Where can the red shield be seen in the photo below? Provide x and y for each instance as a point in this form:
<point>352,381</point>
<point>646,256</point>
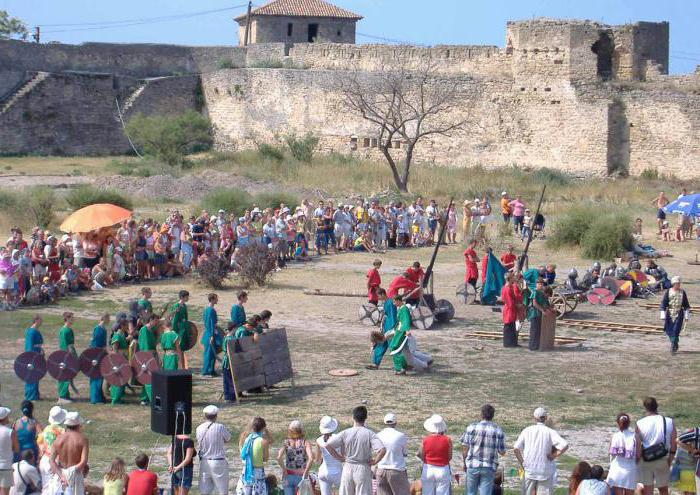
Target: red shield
<point>63,365</point>
<point>30,367</point>
<point>115,369</point>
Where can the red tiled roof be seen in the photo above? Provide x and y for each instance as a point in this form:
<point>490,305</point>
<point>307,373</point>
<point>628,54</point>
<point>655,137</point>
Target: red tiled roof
<point>302,8</point>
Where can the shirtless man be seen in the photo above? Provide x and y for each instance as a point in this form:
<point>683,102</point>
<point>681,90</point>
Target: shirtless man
<point>69,457</point>
<point>661,201</point>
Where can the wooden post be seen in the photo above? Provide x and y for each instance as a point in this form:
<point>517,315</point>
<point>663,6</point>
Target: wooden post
<point>230,368</point>
<point>247,24</point>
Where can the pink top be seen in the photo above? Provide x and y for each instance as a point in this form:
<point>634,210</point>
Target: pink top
<point>518,208</point>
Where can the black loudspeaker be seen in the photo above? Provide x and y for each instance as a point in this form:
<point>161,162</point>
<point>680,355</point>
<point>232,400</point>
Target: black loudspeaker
<point>171,407</point>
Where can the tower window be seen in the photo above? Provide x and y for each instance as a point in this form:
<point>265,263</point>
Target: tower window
<point>290,28</point>
<point>340,33</point>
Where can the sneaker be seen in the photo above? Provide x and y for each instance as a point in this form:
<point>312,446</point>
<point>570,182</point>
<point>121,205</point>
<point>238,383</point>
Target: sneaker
<point>145,403</point>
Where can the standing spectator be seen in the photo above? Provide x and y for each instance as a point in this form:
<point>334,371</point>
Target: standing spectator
<point>392,474</point>
<point>661,201</point>
<point>330,471</point>
<point>26,430</point>
<point>656,437</point>
<point>141,480</point>
<point>518,209</point>
<point>357,445</point>
<point>482,443</point>
<point>506,209</point>
<point>622,475</point>
<point>213,466</point>
<point>512,307</point>
<point>116,481</point>
<point>452,225</point>
<point>254,444</point>
<point>8,444</point>
<point>466,219</point>
<point>536,449</point>
<point>675,309</point>
<point>295,457</point>
<point>72,448</point>
<point>26,478</point>
<point>46,440</point>
<point>181,464</point>
<point>436,454</point>
<point>690,442</point>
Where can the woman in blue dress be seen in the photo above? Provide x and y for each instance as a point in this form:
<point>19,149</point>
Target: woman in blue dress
<point>99,340</point>
<point>210,337</point>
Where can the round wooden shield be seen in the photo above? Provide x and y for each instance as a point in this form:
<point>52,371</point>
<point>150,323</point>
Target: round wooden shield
<point>63,365</point>
<point>610,283</point>
<point>422,317</point>
<point>116,369</point>
<point>142,365</point>
<point>369,314</point>
<point>600,296</point>
<point>193,337</point>
<point>30,367</point>
<point>343,372</point>
<point>467,293</point>
<point>444,310</point>
<point>90,361</point>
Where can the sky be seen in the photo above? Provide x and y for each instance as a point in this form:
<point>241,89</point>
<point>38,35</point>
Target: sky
<point>408,21</point>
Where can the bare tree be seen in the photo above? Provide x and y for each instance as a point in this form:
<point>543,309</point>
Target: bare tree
<point>406,104</point>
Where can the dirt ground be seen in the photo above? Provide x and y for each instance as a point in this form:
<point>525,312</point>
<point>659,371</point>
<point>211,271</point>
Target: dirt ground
<point>583,386</point>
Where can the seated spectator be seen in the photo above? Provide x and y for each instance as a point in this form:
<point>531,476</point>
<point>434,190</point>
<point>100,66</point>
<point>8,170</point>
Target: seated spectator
<point>595,485</point>
<point>27,480</point>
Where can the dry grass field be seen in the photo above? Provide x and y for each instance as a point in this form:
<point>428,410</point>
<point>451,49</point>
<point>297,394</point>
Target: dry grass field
<point>584,386</point>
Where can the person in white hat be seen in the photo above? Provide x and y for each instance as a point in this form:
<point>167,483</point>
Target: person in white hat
<point>8,444</point>
<point>72,448</point>
<point>331,468</point>
<point>436,454</point>
<point>675,311</point>
<point>213,466</point>
<point>536,449</point>
<point>46,439</point>
<point>392,474</point>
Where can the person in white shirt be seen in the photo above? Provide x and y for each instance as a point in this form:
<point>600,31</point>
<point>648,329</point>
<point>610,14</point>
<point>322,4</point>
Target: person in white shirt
<point>213,466</point>
<point>536,449</point>
<point>650,432</point>
<point>331,469</point>
<point>8,444</point>
<point>26,477</point>
<point>392,477</point>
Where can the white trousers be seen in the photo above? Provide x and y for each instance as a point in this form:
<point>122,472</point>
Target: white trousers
<point>326,480</point>
<point>436,480</point>
<point>213,477</point>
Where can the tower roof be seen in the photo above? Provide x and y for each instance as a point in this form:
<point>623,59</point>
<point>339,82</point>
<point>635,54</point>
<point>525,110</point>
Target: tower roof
<point>302,8</point>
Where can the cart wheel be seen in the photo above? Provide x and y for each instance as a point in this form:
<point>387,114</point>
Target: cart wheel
<point>422,317</point>
<point>369,314</point>
<point>558,302</point>
<point>571,303</point>
<point>444,310</point>
<point>467,293</point>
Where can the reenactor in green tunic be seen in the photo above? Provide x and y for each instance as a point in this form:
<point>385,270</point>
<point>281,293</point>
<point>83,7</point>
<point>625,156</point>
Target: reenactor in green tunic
<point>180,321</point>
<point>147,342</point>
<point>172,353</point>
<point>66,342</point>
<point>119,345</point>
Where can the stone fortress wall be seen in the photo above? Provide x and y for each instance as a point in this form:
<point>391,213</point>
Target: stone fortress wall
<point>573,95</point>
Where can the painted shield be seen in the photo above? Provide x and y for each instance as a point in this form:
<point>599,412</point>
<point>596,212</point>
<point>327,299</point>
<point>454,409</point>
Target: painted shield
<point>90,361</point>
<point>63,365</point>
<point>30,367</point>
<point>444,310</point>
<point>115,369</point>
<point>610,283</point>
<point>143,364</point>
<point>369,314</point>
<point>193,337</point>
<point>600,296</point>
<point>422,317</point>
<point>625,288</point>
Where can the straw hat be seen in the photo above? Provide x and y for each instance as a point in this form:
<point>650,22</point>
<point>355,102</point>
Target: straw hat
<point>435,424</point>
<point>57,415</point>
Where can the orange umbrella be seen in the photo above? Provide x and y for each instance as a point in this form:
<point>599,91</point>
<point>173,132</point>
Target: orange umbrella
<point>95,217</point>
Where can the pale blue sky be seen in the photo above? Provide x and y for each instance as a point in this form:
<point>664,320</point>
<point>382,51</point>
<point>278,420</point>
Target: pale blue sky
<point>422,22</point>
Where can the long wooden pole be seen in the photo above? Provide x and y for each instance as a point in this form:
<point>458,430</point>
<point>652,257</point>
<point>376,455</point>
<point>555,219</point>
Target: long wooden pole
<point>230,367</point>
<point>441,235</point>
<point>523,257</point>
<point>247,24</point>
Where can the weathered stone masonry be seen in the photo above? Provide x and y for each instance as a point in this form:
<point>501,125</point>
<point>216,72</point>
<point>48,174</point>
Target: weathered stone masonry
<point>572,95</point>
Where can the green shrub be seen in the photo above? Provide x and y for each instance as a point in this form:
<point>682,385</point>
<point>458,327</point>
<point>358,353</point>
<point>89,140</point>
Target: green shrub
<point>9,201</point>
<point>226,63</point>
<point>170,139</point>
<point>649,174</point>
<point>141,168</point>
<point>255,264</point>
<point>569,229</point>
<point>302,148</point>
<point>232,200</point>
<point>42,204</point>
<point>270,152</point>
<point>607,237</point>
<point>274,199</point>
<point>551,176</point>
<point>85,195</point>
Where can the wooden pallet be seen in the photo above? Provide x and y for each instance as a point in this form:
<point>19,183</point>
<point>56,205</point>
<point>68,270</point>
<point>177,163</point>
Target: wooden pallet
<point>656,306</point>
<point>498,336</point>
<point>612,326</point>
<point>323,292</point>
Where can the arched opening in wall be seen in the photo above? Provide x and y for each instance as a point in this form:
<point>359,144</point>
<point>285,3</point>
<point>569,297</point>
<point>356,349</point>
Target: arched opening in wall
<point>604,49</point>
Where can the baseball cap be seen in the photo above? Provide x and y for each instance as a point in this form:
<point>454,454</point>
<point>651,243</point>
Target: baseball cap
<point>540,412</point>
<point>210,410</point>
<point>390,419</point>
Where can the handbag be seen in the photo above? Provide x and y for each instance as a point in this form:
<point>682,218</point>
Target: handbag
<point>658,450</point>
<point>304,487</point>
